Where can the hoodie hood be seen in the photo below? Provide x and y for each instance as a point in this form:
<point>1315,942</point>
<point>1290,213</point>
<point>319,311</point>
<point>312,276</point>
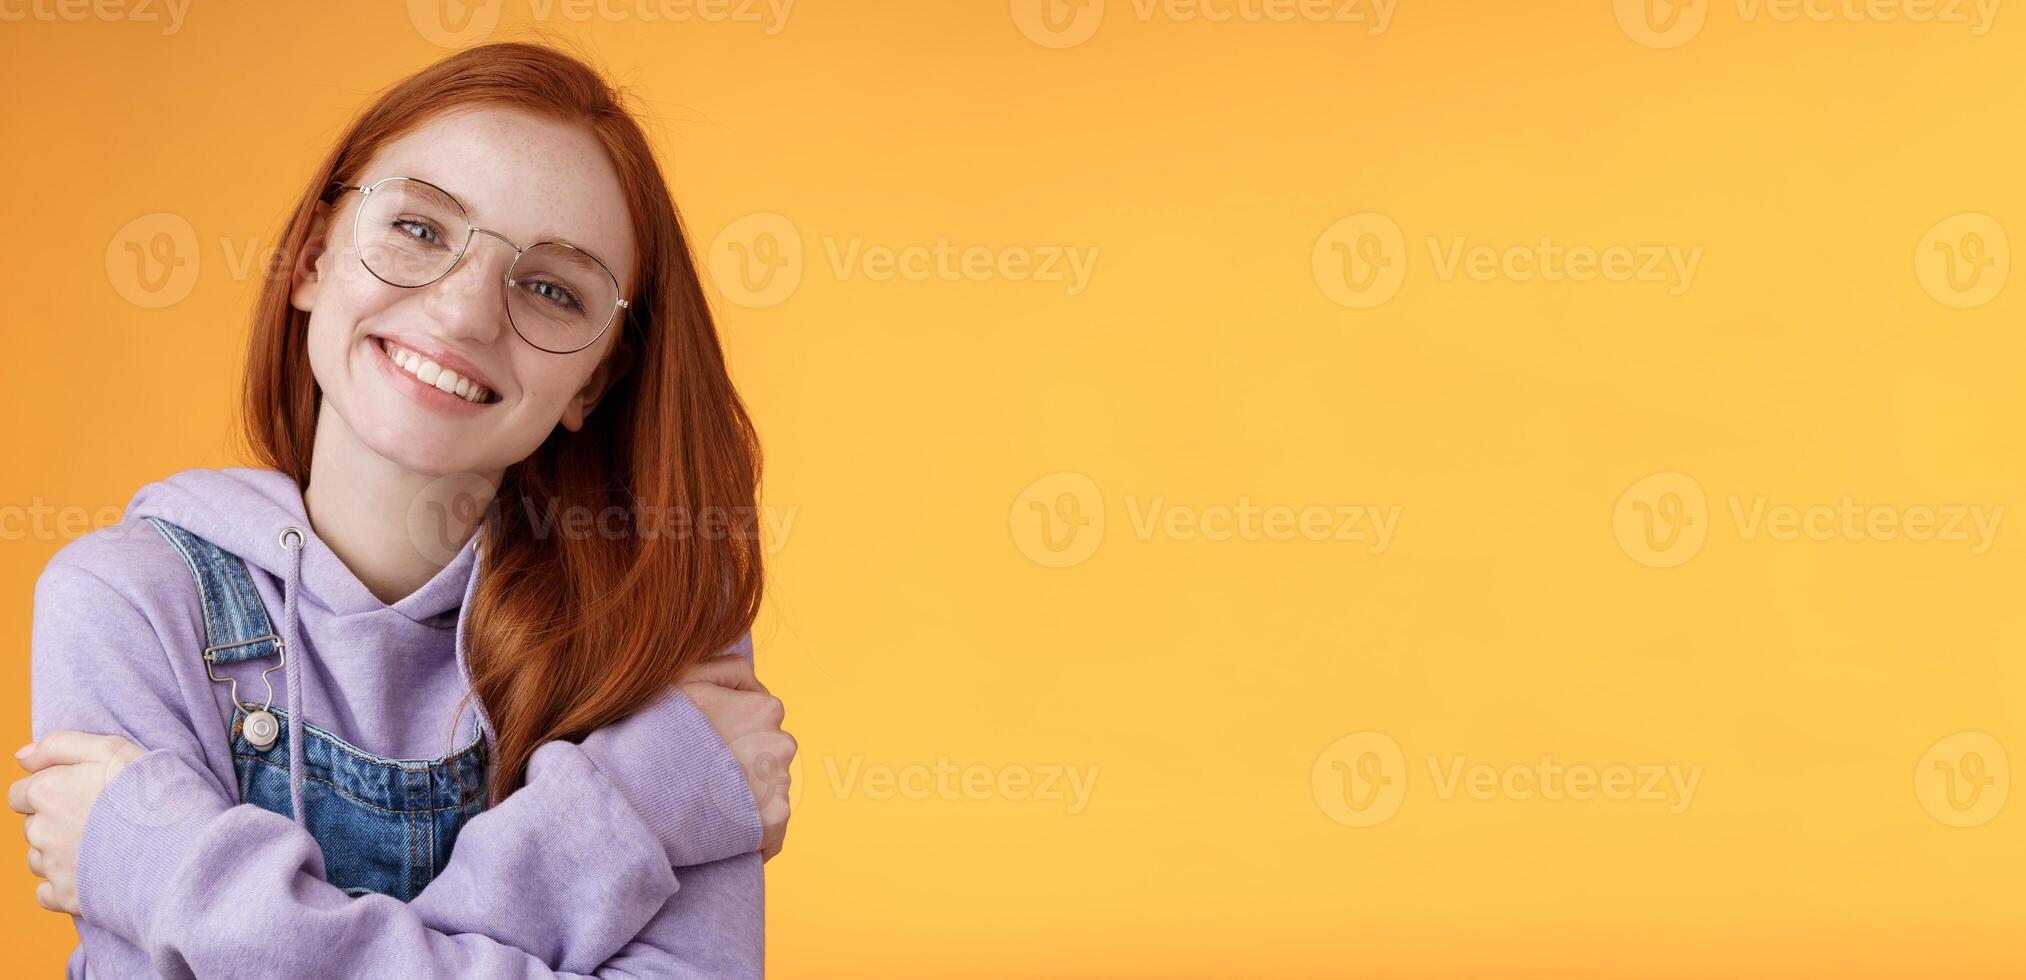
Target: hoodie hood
<point>259,516</point>
<point>245,509</point>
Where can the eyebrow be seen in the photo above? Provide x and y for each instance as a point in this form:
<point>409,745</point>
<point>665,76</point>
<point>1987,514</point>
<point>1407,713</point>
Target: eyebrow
<point>431,187</point>
<point>418,188</point>
<point>578,258</point>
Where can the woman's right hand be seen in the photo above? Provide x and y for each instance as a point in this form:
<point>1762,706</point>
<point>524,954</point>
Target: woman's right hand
<point>748,718</point>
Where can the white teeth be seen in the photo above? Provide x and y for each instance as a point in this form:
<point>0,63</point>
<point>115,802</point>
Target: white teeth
<point>438,376</point>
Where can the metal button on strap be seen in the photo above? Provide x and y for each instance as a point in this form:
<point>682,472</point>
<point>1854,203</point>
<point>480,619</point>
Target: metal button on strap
<point>261,729</point>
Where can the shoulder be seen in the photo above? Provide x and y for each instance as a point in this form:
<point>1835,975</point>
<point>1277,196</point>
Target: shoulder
<point>117,625</point>
<point>129,562</point>
<point>133,558</point>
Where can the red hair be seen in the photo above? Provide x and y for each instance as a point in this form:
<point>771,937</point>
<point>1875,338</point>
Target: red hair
<point>567,633</point>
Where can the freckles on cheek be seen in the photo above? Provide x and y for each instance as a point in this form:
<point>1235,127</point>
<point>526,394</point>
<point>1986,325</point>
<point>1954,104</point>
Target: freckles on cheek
<point>538,397</point>
<point>546,384</point>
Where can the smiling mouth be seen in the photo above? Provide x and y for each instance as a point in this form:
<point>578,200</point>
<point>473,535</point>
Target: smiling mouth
<point>436,375</point>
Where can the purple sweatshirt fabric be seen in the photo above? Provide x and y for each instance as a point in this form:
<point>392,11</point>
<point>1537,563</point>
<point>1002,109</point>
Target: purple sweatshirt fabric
<point>631,854</point>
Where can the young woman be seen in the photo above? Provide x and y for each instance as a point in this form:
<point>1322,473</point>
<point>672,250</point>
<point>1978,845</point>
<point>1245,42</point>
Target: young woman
<point>504,470</point>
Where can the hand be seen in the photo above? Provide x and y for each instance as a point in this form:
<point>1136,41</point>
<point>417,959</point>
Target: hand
<point>748,719</point>
<point>67,771</point>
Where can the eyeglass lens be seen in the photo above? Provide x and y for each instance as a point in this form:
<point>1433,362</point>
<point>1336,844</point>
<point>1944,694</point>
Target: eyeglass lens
<point>411,233</point>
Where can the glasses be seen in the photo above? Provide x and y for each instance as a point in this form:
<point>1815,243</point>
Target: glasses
<point>410,233</point>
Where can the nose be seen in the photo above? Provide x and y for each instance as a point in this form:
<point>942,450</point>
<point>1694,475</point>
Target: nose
<point>470,302</point>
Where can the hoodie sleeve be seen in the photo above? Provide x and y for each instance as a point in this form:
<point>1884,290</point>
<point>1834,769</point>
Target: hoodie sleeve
<point>680,777</point>
<point>172,870</point>
<point>243,885</point>
<point>677,780</point>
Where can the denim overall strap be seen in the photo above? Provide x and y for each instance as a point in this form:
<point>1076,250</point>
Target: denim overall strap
<point>236,627</point>
<point>385,825</point>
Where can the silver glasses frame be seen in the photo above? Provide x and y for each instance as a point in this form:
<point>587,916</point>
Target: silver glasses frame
<point>507,284</point>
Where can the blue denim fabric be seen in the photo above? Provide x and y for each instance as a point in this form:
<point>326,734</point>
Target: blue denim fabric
<point>384,825</point>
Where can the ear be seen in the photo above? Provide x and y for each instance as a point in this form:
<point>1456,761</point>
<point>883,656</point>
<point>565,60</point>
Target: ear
<point>580,405</point>
<point>307,272</point>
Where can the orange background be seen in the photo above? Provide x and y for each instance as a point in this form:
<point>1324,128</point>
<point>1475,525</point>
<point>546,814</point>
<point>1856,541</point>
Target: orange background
<point>936,442</point>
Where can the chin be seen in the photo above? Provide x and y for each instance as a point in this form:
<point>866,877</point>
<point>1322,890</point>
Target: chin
<point>426,449</point>
<point>433,466</point>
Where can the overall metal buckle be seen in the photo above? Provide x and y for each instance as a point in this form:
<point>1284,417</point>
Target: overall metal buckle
<point>261,727</point>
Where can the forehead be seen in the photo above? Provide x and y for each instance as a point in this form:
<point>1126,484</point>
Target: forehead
<point>527,177</point>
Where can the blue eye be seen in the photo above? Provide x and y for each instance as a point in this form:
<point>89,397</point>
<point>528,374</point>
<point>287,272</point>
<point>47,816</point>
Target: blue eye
<point>421,231</point>
<point>553,293</point>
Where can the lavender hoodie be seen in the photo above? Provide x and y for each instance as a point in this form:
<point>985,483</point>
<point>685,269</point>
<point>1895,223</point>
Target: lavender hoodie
<point>631,854</point>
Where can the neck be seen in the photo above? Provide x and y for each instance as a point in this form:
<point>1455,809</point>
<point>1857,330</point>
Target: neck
<point>392,526</point>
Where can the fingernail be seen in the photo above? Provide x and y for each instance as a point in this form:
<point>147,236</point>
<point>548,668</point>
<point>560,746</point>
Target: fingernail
<point>22,752</point>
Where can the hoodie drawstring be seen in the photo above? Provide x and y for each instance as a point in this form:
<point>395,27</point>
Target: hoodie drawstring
<point>291,660</point>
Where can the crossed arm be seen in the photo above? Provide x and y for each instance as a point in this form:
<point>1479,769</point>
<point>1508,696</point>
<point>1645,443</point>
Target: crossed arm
<point>562,878</point>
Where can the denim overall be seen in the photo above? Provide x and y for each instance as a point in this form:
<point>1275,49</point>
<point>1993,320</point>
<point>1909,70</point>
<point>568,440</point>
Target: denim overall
<point>384,825</point>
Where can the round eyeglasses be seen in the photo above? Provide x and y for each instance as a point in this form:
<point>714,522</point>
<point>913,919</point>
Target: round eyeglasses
<point>410,233</point>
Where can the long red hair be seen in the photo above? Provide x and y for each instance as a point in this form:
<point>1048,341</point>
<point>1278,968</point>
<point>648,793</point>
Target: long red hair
<point>566,633</point>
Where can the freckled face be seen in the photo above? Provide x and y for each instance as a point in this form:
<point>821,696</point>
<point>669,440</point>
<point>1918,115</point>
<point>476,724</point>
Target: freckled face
<point>380,351</point>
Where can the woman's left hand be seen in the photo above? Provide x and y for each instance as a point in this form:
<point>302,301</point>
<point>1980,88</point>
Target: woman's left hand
<point>66,772</point>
